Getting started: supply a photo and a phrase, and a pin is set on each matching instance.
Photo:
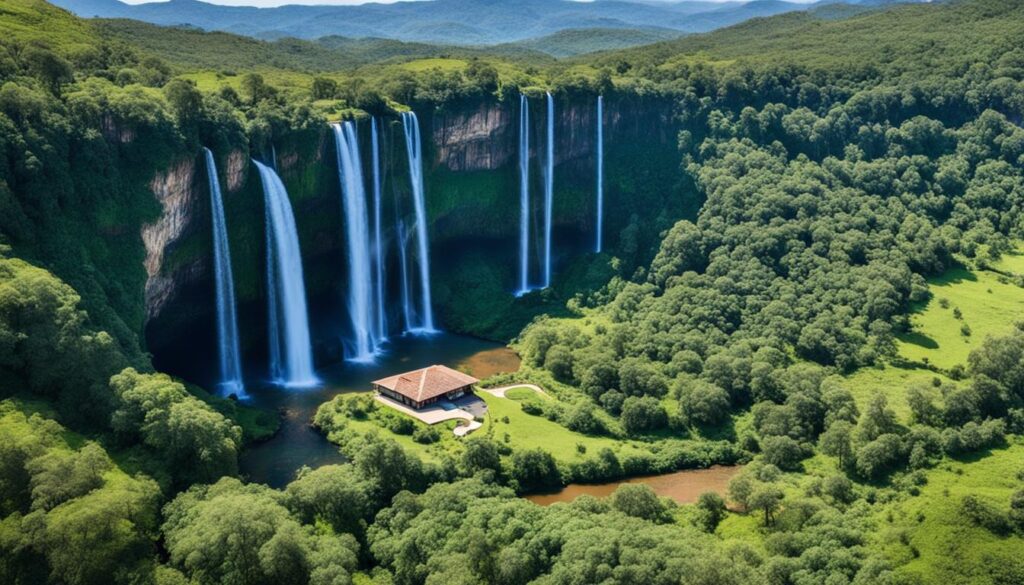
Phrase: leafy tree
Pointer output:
(639, 501)
(703, 403)
(782, 452)
(230, 532)
(60, 476)
(535, 469)
(837, 441)
(334, 494)
(768, 499)
(324, 88)
(711, 510)
(642, 415)
(480, 454)
(188, 434)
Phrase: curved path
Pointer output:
(500, 391)
(463, 430)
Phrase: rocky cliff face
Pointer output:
(176, 191)
(484, 137)
(475, 140)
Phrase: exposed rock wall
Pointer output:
(176, 191)
(477, 139)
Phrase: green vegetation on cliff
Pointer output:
(840, 311)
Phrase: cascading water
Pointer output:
(227, 317)
(524, 196)
(411, 125)
(361, 310)
(404, 270)
(600, 173)
(378, 248)
(549, 187)
(291, 356)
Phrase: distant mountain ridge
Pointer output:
(460, 22)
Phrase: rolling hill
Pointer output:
(460, 22)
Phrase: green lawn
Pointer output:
(989, 304)
(527, 431)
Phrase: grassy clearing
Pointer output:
(931, 540)
(527, 431)
(988, 303)
(522, 393)
(892, 381)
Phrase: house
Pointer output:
(421, 388)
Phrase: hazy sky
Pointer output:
(265, 3)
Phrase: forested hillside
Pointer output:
(825, 285)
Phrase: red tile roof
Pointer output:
(430, 382)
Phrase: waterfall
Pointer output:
(273, 157)
(600, 172)
(361, 310)
(524, 196)
(404, 269)
(227, 317)
(413, 145)
(291, 359)
(378, 249)
(549, 187)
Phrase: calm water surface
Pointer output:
(297, 443)
(682, 486)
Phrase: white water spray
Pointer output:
(600, 173)
(291, 355)
(361, 310)
(549, 187)
(524, 196)
(227, 316)
(413, 145)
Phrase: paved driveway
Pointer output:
(465, 408)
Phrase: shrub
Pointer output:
(640, 415)
(426, 435)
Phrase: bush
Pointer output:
(426, 435)
(641, 415)
(582, 418)
(985, 515)
(640, 501)
(399, 424)
(783, 452)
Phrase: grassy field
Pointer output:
(527, 431)
(928, 536)
(892, 381)
(988, 303)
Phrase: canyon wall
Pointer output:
(472, 196)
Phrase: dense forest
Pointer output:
(829, 295)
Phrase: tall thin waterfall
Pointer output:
(291, 355)
(378, 248)
(600, 173)
(361, 298)
(411, 125)
(404, 269)
(227, 317)
(524, 196)
(549, 187)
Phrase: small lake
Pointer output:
(296, 444)
(682, 486)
